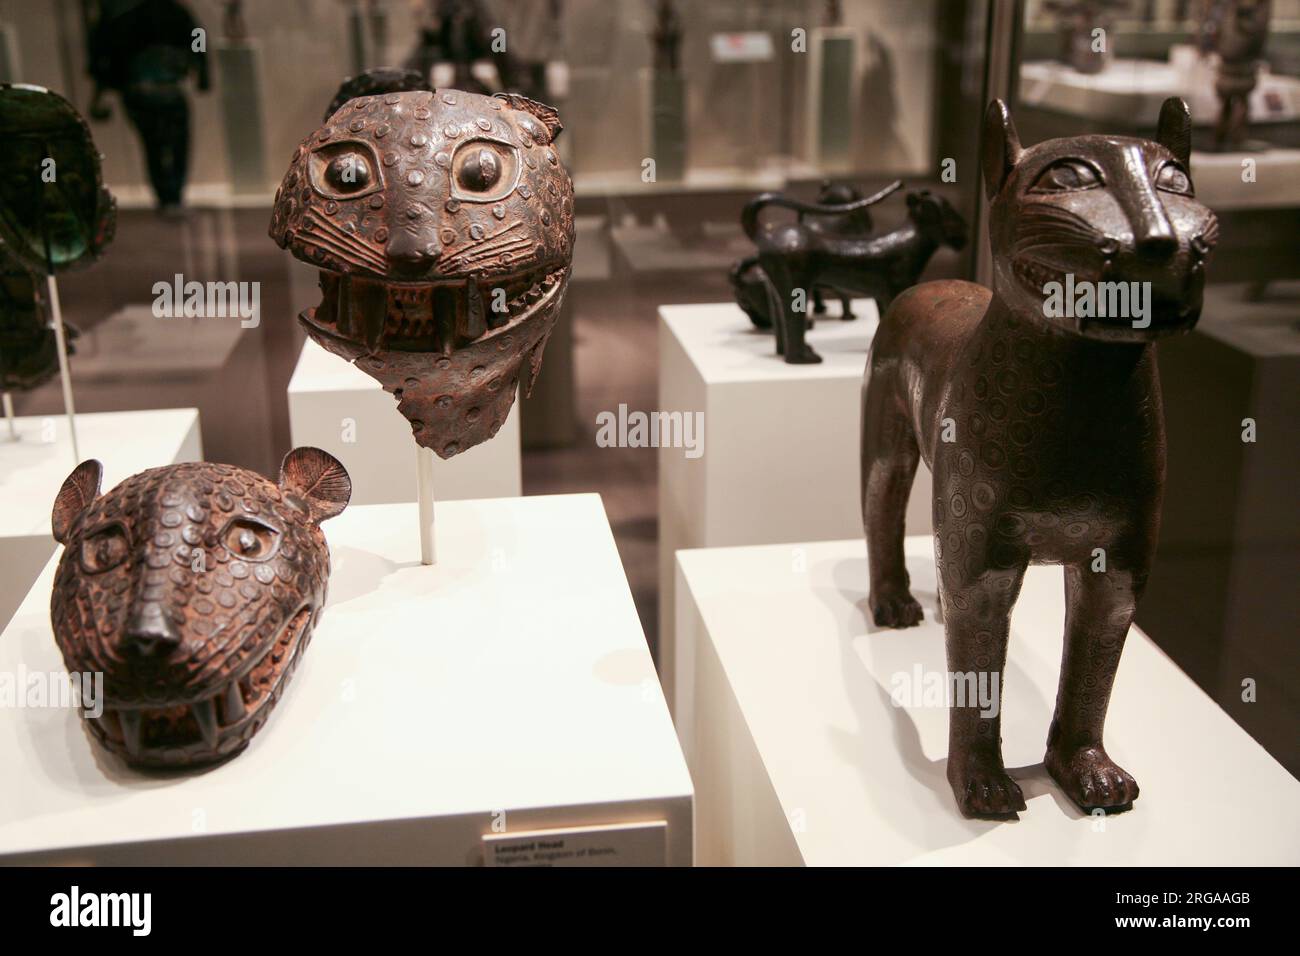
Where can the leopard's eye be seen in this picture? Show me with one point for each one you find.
(480, 170)
(1172, 178)
(344, 170)
(250, 540)
(104, 549)
(484, 170)
(1067, 175)
(348, 173)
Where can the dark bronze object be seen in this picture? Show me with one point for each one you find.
(233, 21)
(55, 213)
(746, 275)
(458, 32)
(375, 83)
(1042, 426)
(1238, 30)
(28, 346)
(1082, 48)
(825, 248)
(194, 589)
(667, 38)
(443, 227)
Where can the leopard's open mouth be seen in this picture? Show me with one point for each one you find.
(211, 727)
(1114, 316)
(1036, 274)
(433, 316)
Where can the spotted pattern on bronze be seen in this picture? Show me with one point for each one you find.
(193, 589)
(1044, 435)
(462, 263)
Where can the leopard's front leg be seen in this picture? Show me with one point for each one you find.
(977, 601)
(1099, 609)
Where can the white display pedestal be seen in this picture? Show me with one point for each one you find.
(781, 448)
(1220, 186)
(32, 470)
(800, 756)
(507, 687)
(331, 400)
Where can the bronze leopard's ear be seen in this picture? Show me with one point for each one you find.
(549, 115)
(318, 479)
(1000, 150)
(79, 489)
(1174, 131)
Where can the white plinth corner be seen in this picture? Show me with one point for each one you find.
(780, 459)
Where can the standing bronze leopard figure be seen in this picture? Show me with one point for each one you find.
(1044, 434)
(794, 258)
(750, 285)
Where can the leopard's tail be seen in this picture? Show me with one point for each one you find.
(754, 208)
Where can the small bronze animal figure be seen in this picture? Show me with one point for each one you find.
(792, 258)
(193, 589)
(747, 280)
(856, 225)
(1042, 427)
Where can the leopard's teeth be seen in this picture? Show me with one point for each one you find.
(130, 721)
(205, 715)
(233, 704)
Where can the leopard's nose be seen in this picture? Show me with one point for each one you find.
(413, 248)
(1157, 245)
(149, 631)
(411, 257)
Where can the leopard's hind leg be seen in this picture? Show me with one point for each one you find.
(890, 454)
(790, 274)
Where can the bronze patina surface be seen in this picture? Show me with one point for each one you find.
(55, 213)
(442, 223)
(830, 245)
(193, 589)
(1043, 431)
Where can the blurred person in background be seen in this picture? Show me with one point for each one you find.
(146, 50)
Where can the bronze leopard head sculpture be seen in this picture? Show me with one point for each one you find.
(193, 589)
(442, 223)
